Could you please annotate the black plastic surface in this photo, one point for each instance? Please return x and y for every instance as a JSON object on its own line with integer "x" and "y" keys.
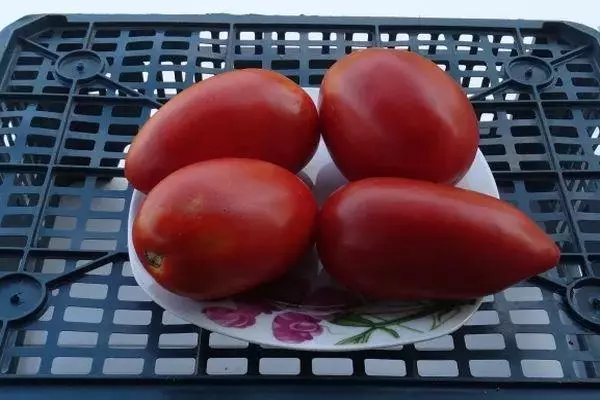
{"x": 74, "y": 91}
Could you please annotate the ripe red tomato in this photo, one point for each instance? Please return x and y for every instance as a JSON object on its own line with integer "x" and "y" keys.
{"x": 219, "y": 227}
{"x": 394, "y": 113}
{"x": 247, "y": 113}
{"x": 392, "y": 238}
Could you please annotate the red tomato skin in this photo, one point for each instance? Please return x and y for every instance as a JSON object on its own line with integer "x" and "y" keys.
{"x": 393, "y": 238}
{"x": 220, "y": 227}
{"x": 248, "y": 113}
{"x": 394, "y": 113}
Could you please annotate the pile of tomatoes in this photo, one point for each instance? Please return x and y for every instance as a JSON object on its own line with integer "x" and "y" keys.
{"x": 225, "y": 211}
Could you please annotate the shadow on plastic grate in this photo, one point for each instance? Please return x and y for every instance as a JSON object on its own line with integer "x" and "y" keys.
{"x": 76, "y": 90}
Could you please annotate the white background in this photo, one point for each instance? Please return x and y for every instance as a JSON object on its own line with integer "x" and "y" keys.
{"x": 583, "y": 11}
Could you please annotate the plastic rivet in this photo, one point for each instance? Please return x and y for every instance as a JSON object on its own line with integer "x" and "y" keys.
{"x": 79, "y": 65}
{"x": 25, "y": 293}
{"x": 530, "y": 71}
{"x": 15, "y": 299}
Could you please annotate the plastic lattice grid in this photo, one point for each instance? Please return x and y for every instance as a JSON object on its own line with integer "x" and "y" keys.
{"x": 64, "y": 200}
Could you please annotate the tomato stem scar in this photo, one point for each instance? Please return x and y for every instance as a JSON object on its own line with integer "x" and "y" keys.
{"x": 154, "y": 259}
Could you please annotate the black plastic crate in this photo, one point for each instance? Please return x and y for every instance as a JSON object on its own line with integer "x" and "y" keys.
{"x": 75, "y": 90}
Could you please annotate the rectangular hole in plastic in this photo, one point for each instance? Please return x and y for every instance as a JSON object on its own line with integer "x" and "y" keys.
{"x": 175, "y": 366}
{"x": 128, "y": 341}
{"x": 83, "y": 314}
{"x": 45, "y": 123}
{"x": 586, "y": 82}
{"x": 540, "y": 186}
{"x": 88, "y": 109}
{"x": 88, "y": 291}
{"x": 490, "y": 368}
{"x": 141, "y": 45}
{"x": 285, "y": 64}
{"x": 588, "y": 95}
{"x": 579, "y": 67}
{"x": 40, "y": 141}
{"x": 108, "y": 33}
{"x": 66, "y": 47}
{"x": 133, "y": 77}
{"x": 535, "y": 341}
{"x": 26, "y": 60}
{"x": 84, "y": 126}
{"x": 437, "y": 368}
{"x": 24, "y": 75}
{"x": 487, "y": 341}
{"x": 564, "y": 131}
{"x": 132, "y": 317}
{"x": 73, "y": 160}
{"x": 376, "y": 367}
{"x": 123, "y": 129}
{"x": 99, "y": 244}
{"x": 109, "y": 204}
{"x": 529, "y": 317}
{"x": 132, "y": 293}
{"x": 178, "y": 340}
{"x": 104, "y": 47}
{"x": 332, "y": 366}
{"x": 542, "y": 53}
{"x": 554, "y": 96}
{"x": 241, "y": 64}
{"x": 568, "y": 149}
{"x": 23, "y": 200}
{"x": 123, "y": 366}
{"x": 493, "y": 149}
{"x": 142, "y": 32}
{"x": 17, "y": 221}
{"x": 177, "y": 33}
{"x": 32, "y": 338}
{"x": 103, "y": 225}
{"x": 80, "y": 144}
{"x": 545, "y": 206}
{"x": 71, "y": 366}
{"x": 530, "y": 148}
{"x": 279, "y": 366}
{"x": 9, "y": 262}
{"x": 78, "y": 339}
{"x": 175, "y": 45}
{"x": 542, "y": 368}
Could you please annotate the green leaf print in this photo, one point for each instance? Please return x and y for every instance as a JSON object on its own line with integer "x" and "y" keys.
{"x": 440, "y": 313}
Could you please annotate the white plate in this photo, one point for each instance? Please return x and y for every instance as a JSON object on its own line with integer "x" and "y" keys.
{"x": 306, "y": 310}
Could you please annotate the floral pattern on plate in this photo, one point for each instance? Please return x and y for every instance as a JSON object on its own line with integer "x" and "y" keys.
{"x": 307, "y": 323}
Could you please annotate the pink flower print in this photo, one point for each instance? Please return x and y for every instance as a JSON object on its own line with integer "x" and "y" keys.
{"x": 240, "y": 317}
{"x": 292, "y": 327}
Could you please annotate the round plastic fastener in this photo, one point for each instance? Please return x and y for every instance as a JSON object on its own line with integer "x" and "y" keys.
{"x": 583, "y": 298}
{"x": 530, "y": 71}
{"x": 79, "y": 65}
{"x": 21, "y": 295}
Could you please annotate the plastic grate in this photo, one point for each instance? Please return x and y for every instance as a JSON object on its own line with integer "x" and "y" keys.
{"x": 64, "y": 200}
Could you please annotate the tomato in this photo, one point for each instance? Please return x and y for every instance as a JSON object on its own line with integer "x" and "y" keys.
{"x": 247, "y": 113}
{"x": 393, "y": 238}
{"x": 394, "y": 113}
{"x": 219, "y": 227}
